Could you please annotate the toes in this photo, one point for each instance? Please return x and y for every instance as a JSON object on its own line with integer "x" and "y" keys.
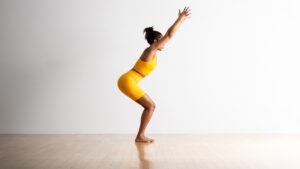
{"x": 144, "y": 141}
{"x": 150, "y": 139}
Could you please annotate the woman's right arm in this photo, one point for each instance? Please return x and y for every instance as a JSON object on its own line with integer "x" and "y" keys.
{"x": 173, "y": 29}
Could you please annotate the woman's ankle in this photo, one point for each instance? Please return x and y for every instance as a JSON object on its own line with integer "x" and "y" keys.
{"x": 140, "y": 135}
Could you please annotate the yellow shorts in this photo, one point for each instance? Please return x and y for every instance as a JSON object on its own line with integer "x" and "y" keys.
{"x": 128, "y": 84}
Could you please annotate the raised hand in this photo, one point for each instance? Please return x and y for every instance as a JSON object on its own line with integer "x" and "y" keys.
{"x": 184, "y": 14}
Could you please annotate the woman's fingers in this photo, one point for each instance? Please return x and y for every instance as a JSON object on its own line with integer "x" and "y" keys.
{"x": 186, "y": 9}
{"x": 185, "y": 12}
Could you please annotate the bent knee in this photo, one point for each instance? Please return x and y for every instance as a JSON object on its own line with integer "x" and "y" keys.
{"x": 151, "y": 106}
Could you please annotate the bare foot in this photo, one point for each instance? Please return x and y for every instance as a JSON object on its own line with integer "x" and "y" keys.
{"x": 151, "y": 139}
{"x": 144, "y": 139}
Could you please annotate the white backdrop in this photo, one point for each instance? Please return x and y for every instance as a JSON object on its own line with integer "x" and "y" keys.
{"x": 231, "y": 68}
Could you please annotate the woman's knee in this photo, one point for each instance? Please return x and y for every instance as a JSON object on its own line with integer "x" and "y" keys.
{"x": 146, "y": 102}
{"x": 147, "y": 105}
{"x": 153, "y": 106}
{"x": 150, "y": 106}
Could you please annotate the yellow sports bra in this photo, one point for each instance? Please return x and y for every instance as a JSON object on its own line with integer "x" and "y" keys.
{"x": 145, "y": 67}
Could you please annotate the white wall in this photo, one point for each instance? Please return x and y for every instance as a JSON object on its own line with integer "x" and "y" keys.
{"x": 231, "y": 68}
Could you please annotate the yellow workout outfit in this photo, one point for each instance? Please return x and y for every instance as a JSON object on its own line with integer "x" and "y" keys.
{"x": 128, "y": 82}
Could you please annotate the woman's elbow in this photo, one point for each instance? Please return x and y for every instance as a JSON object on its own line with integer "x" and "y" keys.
{"x": 169, "y": 34}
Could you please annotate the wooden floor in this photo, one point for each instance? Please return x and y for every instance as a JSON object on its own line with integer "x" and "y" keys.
{"x": 205, "y": 151}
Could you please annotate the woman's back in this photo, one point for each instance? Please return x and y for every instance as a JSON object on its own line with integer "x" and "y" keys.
{"x": 145, "y": 67}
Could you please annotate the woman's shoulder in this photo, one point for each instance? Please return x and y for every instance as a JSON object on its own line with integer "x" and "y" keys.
{"x": 148, "y": 54}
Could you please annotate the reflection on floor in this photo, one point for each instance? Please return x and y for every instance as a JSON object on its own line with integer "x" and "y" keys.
{"x": 203, "y": 151}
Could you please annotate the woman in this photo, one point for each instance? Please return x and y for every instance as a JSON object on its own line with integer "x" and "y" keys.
{"x": 128, "y": 82}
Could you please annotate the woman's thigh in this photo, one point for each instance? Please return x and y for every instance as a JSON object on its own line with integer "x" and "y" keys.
{"x": 146, "y": 101}
{"x": 130, "y": 87}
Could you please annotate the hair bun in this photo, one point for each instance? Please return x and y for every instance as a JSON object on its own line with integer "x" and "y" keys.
{"x": 148, "y": 29}
{"x": 151, "y": 34}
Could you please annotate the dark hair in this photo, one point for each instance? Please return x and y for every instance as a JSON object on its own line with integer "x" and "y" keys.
{"x": 151, "y": 34}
